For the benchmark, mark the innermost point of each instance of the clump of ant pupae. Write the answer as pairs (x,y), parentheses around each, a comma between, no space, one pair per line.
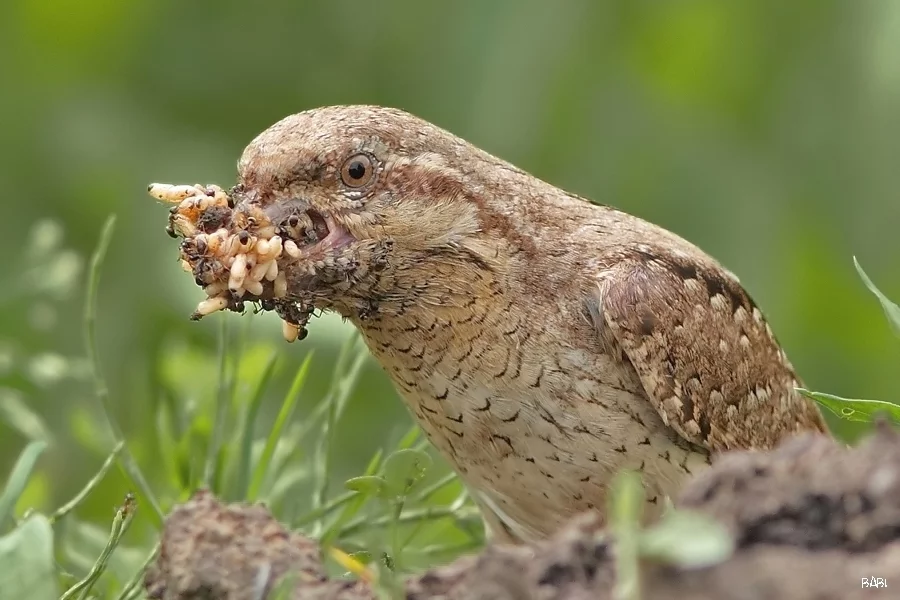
(234,255)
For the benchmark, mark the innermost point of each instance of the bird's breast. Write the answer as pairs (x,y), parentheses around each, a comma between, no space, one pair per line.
(530,419)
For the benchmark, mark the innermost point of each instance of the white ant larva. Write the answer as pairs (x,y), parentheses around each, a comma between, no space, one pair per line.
(238,272)
(174,193)
(291,331)
(259,271)
(215,241)
(291,249)
(214,289)
(211,305)
(253,287)
(272,271)
(280,285)
(276,245)
(266,231)
(184,227)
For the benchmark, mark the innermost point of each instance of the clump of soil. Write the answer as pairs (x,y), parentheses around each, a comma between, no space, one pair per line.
(811,520)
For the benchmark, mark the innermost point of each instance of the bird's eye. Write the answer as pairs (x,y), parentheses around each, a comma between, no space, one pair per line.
(357,171)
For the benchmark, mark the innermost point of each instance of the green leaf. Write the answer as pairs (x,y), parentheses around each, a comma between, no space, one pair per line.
(891,310)
(858,411)
(367,485)
(403,470)
(26,554)
(18,479)
(686,539)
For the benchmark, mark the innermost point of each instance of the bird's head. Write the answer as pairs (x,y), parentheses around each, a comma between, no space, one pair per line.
(369,195)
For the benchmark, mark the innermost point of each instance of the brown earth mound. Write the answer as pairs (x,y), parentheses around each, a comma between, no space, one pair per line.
(811,520)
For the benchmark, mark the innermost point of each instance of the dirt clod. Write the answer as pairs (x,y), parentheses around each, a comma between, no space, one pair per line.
(811,520)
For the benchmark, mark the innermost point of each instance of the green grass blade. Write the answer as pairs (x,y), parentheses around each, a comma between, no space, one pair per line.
(342,385)
(323,511)
(350,509)
(312,420)
(284,414)
(18,415)
(432,513)
(857,411)
(891,310)
(18,478)
(101,391)
(443,553)
(167,447)
(410,438)
(218,429)
(242,481)
(625,508)
(72,504)
(430,490)
(120,525)
(230,448)
(133,588)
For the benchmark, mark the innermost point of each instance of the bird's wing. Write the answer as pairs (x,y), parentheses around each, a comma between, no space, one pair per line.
(702,350)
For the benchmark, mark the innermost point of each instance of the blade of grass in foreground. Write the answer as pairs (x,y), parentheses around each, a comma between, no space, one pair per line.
(625,509)
(229,448)
(351,507)
(242,480)
(343,382)
(891,310)
(215,438)
(432,513)
(284,414)
(18,415)
(333,504)
(18,478)
(427,492)
(72,504)
(101,391)
(121,522)
(134,588)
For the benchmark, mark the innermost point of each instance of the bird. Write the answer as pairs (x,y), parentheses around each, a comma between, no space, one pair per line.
(543,342)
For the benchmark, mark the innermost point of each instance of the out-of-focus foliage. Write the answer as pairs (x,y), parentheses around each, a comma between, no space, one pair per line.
(766,132)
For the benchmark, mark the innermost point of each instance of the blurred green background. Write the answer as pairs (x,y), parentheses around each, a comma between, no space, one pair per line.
(767,132)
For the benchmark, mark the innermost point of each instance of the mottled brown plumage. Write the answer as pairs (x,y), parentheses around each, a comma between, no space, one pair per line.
(541,341)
